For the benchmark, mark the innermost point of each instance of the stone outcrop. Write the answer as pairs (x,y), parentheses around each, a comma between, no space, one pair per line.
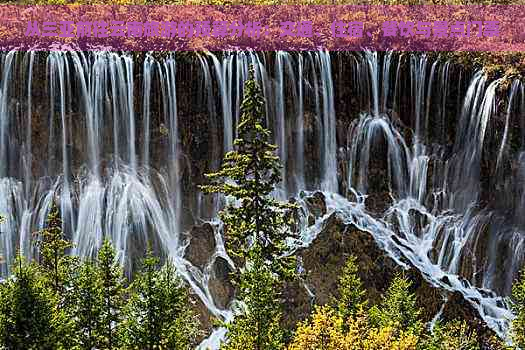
(199,252)
(316,207)
(322,262)
(325,257)
(456,307)
(201,246)
(220,286)
(206,319)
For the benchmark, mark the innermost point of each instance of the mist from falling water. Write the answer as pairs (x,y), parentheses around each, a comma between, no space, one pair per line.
(113,189)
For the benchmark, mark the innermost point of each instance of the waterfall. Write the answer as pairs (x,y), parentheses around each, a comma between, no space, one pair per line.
(418,68)
(149,66)
(216,151)
(223,73)
(168,82)
(299,125)
(282,63)
(329,151)
(120,142)
(464,168)
(5,110)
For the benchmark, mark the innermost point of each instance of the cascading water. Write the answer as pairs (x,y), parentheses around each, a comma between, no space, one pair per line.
(120,144)
(439,237)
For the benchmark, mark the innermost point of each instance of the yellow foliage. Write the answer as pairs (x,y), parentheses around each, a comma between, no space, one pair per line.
(389,338)
(325,331)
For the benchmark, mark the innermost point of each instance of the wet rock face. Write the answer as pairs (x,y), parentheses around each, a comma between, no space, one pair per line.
(206,319)
(316,207)
(456,307)
(200,252)
(222,292)
(201,246)
(220,286)
(324,258)
(297,303)
(316,204)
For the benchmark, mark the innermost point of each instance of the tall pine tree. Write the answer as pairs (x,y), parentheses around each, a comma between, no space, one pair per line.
(53,248)
(256,226)
(351,297)
(58,268)
(399,307)
(112,283)
(86,305)
(259,224)
(257,327)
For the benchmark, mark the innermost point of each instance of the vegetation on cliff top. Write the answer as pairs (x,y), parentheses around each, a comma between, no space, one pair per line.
(268,2)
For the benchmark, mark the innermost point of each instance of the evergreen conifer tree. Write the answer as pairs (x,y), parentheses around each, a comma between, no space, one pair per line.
(86,305)
(258,326)
(249,174)
(26,310)
(53,248)
(57,268)
(112,283)
(256,227)
(399,307)
(158,313)
(351,298)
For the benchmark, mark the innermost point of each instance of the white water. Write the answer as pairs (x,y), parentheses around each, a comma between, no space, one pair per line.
(402,243)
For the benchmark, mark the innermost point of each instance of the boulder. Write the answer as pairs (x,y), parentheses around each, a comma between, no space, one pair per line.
(219,284)
(457,308)
(297,303)
(222,292)
(206,319)
(324,259)
(201,246)
(316,206)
